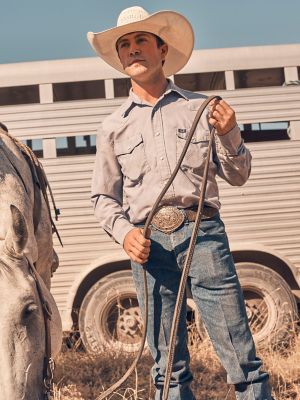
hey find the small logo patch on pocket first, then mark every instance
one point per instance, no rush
(181, 130)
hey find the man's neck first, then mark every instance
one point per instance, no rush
(150, 91)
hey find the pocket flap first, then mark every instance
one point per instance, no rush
(199, 136)
(126, 146)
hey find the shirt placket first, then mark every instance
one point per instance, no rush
(160, 146)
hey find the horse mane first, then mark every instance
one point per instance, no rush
(38, 175)
(4, 127)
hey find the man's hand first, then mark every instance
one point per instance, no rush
(136, 246)
(221, 117)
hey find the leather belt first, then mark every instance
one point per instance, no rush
(169, 218)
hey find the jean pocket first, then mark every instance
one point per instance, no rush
(131, 156)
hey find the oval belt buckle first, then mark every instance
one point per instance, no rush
(167, 219)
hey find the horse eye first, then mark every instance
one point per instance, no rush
(29, 310)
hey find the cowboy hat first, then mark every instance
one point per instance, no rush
(172, 27)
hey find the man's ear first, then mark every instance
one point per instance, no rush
(164, 50)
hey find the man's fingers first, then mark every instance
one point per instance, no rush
(139, 248)
(148, 234)
(225, 105)
(140, 253)
(139, 237)
(221, 106)
(214, 122)
(218, 109)
(221, 116)
(136, 246)
(217, 115)
(137, 258)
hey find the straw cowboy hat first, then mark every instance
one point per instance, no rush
(173, 28)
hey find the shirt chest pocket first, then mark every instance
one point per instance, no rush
(132, 157)
(197, 150)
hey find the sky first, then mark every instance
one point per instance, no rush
(32, 30)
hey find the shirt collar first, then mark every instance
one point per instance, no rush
(133, 99)
(174, 88)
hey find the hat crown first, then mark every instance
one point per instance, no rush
(132, 14)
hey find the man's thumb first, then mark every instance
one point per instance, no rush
(148, 233)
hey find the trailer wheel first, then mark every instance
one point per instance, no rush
(270, 305)
(110, 316)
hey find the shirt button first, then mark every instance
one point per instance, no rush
(161, 158)
(157, 134)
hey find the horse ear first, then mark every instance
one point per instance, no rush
(17, 235)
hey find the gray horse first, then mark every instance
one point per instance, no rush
(24, 240)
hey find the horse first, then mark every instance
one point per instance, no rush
(27, 261)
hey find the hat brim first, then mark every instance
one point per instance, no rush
(173, 28)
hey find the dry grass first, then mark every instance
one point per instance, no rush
(81, 376)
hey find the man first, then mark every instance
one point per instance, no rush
(137, 150)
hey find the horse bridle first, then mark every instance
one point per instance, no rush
(41, 185)
(187, 264)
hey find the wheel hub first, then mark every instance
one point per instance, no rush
(129, 325)
(257, 313)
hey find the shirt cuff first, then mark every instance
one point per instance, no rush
(231, 141)
(121, 227)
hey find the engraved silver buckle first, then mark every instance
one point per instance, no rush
(168, 218)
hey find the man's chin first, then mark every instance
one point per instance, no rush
(136, 70)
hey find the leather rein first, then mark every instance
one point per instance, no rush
(187, 264)
(48, 365)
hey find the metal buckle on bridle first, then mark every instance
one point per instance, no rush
(48, 379)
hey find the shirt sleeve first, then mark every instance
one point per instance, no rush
(107, 191)
(233, 159)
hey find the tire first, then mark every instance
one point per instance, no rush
(109, 316)
(270, 305)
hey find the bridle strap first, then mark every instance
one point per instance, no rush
(48, 367)
(156, 205)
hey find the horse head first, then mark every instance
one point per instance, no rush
(22, 335)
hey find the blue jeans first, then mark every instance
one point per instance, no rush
(216, 291)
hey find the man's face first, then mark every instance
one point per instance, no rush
(140, 55)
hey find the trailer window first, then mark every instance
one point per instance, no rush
(201, 81)
(36, 146)
(19, 95)
(122, 87)
(265, 131)
(75, 145)
(258, 78)
(68, 91)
